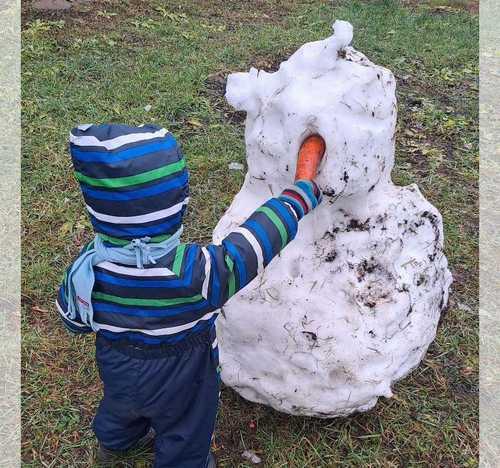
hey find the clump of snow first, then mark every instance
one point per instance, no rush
(251, 456)
(351, 305)
(236, 166)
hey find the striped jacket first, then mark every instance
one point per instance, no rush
(135, 185)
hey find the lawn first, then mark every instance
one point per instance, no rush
(165, 62)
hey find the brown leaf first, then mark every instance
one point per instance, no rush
(195, 123)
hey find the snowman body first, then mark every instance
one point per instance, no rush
(351, 305)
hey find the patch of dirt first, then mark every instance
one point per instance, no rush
(83, 14)
(270, 64)
(230, 13)
(445, 6)
(417, 142)
(56, 5)
(214, 90)
(234, 12)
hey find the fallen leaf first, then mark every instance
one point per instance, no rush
(466, 371)
(161, 10)
(195, 123)
(66, 227)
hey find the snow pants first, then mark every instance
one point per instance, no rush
(172, 388)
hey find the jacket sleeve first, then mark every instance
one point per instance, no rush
(247, 250)
(74, 325)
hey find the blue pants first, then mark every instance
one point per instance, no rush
(174, 389)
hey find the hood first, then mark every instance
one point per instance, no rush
(134, 180)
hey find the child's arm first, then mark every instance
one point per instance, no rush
(247, 250)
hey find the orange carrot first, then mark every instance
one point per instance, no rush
(310, 154)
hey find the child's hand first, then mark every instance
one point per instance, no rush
(303, 196)
(312, 190)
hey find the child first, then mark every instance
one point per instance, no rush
(153, 300)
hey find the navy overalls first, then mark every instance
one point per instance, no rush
(172, 388)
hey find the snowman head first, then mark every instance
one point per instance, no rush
(325, 87)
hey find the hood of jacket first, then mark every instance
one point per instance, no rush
(134, 180)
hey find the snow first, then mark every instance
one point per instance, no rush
(352, 304)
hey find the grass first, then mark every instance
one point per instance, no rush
(107, 61)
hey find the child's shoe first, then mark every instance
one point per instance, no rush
(212, 463)
(107, 457)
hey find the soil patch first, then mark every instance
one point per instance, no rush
(214, 90)
(445, 6)
(83, 13)
(233, 12)
(56, 5)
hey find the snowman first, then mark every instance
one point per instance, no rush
(352, 304)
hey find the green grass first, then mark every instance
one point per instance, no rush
(86, 67)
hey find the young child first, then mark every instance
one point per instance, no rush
(153, 300)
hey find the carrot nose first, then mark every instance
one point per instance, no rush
(310, 154)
